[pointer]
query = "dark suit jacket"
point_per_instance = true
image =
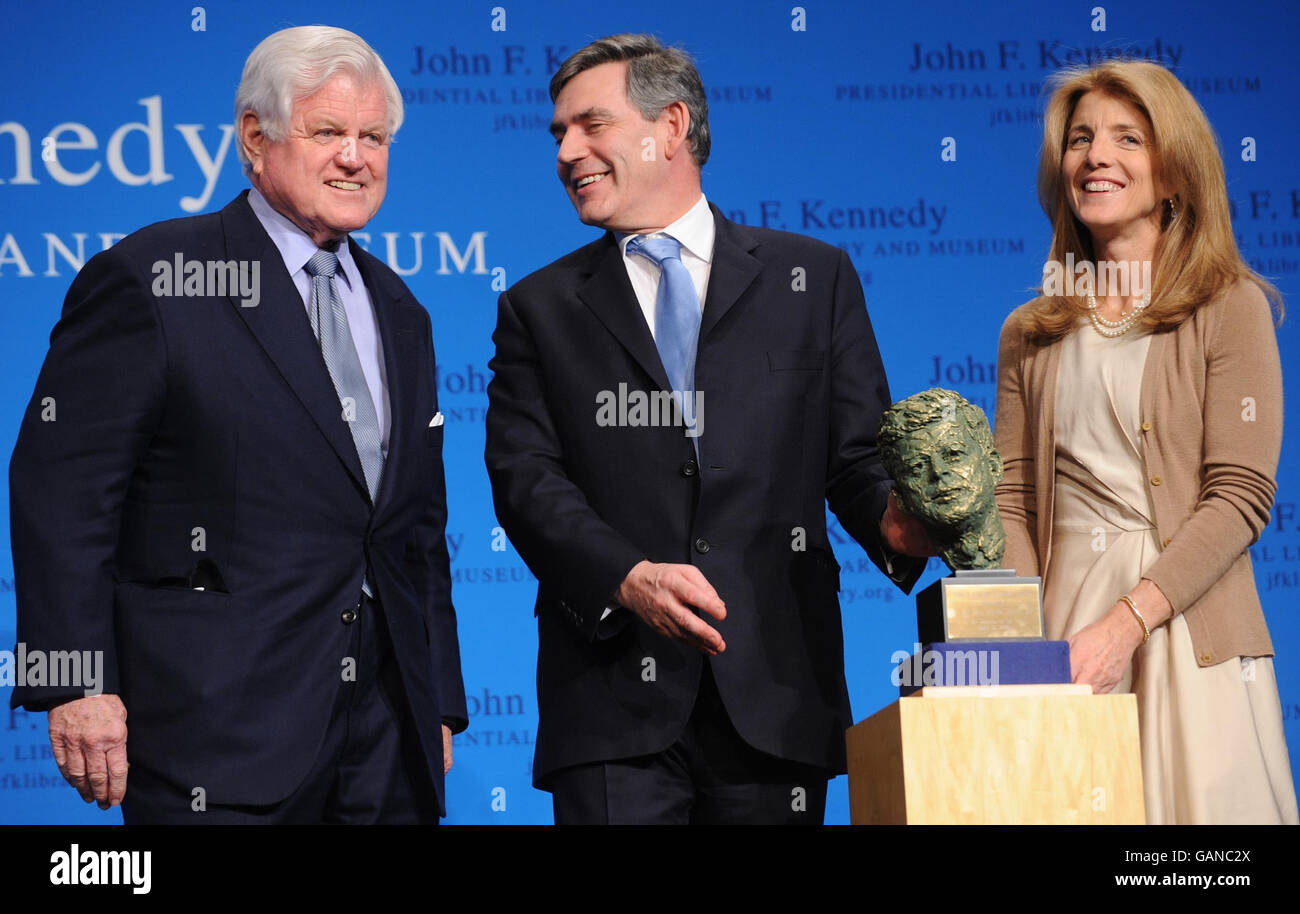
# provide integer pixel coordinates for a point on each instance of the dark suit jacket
(190, 429)
(793, 389)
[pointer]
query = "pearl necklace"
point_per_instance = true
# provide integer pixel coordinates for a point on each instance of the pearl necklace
(1112, 329)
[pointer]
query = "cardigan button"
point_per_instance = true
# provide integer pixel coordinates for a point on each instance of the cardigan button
(1165, 544)
(1206, 658)
(1146, 426)
(1156, 480)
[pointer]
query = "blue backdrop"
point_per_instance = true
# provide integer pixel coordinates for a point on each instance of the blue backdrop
(828, 119)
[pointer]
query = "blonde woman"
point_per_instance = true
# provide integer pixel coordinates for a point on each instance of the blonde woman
(1139, 418)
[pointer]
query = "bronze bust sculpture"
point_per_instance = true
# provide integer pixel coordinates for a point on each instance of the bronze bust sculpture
(938, 449)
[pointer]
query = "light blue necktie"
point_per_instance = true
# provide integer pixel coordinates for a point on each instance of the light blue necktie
(677, 318)
(329, 321)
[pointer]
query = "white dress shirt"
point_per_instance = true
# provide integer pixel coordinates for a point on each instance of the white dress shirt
(696, 231)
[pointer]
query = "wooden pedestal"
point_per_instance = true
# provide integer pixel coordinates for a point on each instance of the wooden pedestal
(1010, 755)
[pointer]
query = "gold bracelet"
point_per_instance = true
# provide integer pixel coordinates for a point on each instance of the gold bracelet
(1146, 632)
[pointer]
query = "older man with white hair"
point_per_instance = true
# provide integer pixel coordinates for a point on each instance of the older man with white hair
(240, 500)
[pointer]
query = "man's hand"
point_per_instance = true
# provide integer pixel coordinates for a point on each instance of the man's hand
(446, 748)
(665, 597)
(903, 533)
(88, 737)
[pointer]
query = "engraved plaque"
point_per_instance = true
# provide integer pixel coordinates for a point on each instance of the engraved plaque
(983, 605)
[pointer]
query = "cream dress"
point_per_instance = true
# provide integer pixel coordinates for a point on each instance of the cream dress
(1213, 747)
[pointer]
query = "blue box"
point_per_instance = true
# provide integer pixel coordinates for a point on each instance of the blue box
(982, 663)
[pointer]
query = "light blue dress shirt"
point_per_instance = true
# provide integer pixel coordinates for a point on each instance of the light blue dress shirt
(297, 248)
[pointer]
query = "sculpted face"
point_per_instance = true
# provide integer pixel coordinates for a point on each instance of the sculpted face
(938, 449)
(602, 158)
(330, 173)
(946, 476)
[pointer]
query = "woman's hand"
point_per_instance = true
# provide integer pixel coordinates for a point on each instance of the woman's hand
(1101, 652)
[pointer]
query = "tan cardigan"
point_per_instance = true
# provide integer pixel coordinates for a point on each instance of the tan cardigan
(1211, 407)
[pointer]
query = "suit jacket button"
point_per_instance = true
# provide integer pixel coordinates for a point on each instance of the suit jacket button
(689, 468)
(702, 545)
(348, 616)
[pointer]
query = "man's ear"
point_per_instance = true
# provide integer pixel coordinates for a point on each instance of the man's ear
(676, 119)
(995, 465)
(252, 140)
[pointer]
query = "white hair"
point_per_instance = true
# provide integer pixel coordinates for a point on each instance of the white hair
(292, 64)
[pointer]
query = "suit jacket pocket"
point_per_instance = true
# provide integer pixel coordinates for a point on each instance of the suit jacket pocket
(181, 645)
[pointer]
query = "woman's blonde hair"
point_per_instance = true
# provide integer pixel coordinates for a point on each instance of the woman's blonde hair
(1196, 258)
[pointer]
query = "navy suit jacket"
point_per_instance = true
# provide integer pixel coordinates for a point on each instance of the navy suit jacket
(193, 429)
(793, 389)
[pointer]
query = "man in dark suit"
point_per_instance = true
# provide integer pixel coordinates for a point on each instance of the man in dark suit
(229, 483)
(691, 664)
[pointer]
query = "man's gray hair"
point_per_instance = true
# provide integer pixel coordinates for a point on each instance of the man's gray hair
(292, 64)
(656, 77)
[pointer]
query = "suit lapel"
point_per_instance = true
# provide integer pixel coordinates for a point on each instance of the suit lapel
(733, 270)
(608, 293)
(400, 338)
(282, 328)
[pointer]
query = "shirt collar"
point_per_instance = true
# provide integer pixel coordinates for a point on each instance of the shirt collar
(695, 230)
(294, 245)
